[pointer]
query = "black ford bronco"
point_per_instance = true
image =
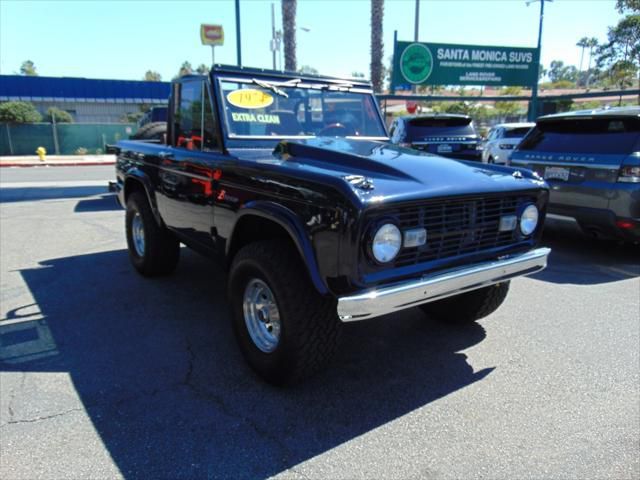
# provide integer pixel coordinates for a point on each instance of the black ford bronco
(291, 181)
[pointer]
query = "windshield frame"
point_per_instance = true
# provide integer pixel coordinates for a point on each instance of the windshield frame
(320, 84)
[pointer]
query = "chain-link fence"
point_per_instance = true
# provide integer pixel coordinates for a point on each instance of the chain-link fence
(61, 138)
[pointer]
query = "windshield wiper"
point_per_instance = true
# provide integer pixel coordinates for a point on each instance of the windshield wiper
(270, 86)
(341, 85)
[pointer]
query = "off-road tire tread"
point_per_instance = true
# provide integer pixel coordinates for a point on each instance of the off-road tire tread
(315, 326)
(156, 132)
(468, 307)
(140, 132)
(150, 131)
(162, 248)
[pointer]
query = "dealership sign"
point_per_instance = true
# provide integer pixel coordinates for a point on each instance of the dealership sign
(212, 34)
(445, 64)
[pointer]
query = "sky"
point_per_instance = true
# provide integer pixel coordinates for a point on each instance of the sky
(122, 39)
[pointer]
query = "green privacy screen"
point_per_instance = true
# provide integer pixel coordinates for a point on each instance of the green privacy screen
(24, 139)
(416, 63)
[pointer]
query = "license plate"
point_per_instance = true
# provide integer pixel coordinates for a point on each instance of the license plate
(445, 148)
(556, 173)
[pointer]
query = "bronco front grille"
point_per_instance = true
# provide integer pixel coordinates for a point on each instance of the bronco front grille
(457, 226)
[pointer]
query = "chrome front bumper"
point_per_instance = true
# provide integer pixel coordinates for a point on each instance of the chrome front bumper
(390, 299)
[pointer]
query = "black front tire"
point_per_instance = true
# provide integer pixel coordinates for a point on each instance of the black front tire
(309, 327)
(161, 249)
(468, 307)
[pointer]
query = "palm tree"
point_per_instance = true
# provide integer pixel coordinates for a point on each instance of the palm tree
(289, 34)
(377, 13)
(591, 44)
(583, 43)
(185, 69)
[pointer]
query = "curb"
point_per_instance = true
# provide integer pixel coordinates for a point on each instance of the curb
(56, 164)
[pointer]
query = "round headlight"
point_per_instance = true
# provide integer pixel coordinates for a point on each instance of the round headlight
(386, 243)
(529, 220)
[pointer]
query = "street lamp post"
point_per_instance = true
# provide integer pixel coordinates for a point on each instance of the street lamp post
(416, 25)
(238, 36)
(416, 28)
(533, 109)
(275, 45)
(276, 37)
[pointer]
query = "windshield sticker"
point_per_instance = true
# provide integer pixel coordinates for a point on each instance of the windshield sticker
(249, 98)
(252, 118)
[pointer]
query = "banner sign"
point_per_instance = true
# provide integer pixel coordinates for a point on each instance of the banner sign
(420, 63)
(211, 34)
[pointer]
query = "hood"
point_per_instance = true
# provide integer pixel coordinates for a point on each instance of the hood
(376, 171)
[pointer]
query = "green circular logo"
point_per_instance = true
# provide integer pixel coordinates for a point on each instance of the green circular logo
(416, 63)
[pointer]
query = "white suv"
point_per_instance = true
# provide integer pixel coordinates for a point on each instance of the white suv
(501, 141)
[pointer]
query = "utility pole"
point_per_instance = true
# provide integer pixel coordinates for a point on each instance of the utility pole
(273, 34)
(533, 107)
(238, 42)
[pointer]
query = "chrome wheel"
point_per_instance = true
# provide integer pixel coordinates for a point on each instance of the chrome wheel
(261, 315)
(137, 232)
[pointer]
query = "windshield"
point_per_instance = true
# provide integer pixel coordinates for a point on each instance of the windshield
(263, 110)
(589, 135)
(516, 132)
(428, 127)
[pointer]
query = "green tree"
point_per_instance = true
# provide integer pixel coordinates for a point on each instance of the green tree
(508, 108)
(357, 74)
(555, 70)
(185, 69)
(558, 71)
(628, 5)
(541, 72)
(131, 117)
(202, 69)
(582, 43)
(377, 15)
(28, 68)
(621, 53)
(19, 112)
(289, 8)
(152, 76)
(621, 74)
(592, 44)
(308, 70)
(59, 115)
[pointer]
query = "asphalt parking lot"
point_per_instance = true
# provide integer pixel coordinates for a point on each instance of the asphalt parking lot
(105, 374)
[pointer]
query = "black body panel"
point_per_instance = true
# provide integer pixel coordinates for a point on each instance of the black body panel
(326, 193)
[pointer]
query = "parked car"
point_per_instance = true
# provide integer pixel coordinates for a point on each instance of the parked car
(591, 160)
(502, 139)
(289, 180)
(445, 134)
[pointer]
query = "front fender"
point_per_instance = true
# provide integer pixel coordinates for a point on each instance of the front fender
(290, 222)
(136, 175)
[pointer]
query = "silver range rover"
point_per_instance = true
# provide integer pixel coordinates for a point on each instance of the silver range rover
(591, 161)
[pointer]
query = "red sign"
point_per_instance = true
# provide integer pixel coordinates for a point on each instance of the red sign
(412, 106)
(212, 34)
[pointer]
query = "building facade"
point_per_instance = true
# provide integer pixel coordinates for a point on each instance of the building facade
(87, 100)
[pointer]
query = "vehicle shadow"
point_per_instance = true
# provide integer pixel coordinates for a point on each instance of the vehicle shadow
(28, 194)
(103, 203)
(157, 370)
(577, 258)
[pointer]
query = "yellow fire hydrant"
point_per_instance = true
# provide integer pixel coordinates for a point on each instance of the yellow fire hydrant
(42, 153)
